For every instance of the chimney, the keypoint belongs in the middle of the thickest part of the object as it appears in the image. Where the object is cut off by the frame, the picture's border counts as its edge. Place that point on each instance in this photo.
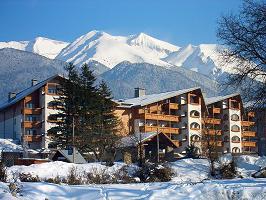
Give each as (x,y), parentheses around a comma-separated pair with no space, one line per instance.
(33,82)
(139,92)
(11,95)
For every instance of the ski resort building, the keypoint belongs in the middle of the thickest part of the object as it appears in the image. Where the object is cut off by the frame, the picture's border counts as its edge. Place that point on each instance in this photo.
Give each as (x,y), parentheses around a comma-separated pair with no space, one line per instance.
(232,125)
(186,117)
(25,115)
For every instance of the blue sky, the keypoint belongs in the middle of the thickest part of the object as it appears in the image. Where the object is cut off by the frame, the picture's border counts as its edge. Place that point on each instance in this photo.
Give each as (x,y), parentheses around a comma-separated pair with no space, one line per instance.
(177,21)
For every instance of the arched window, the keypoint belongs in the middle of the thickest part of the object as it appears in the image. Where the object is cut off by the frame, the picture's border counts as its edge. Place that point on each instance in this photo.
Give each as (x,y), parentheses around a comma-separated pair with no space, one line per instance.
(226,138)
(235,128)
(194,125)
(235,139)
(195,138)
(234,117)
(235,150)
(225,117)
(194,113)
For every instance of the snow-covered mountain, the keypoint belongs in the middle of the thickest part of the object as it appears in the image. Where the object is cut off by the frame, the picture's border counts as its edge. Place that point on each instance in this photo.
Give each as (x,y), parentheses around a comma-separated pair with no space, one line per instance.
(17,68)
(112,50)
(40,45)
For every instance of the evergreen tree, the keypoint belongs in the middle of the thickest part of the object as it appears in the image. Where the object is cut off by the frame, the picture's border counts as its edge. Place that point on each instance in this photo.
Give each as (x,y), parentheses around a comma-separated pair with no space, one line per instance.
(67,105)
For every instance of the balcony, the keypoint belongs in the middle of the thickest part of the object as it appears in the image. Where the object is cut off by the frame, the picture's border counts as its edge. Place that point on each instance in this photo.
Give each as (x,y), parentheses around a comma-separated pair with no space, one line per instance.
(251,114)
(249,144)
(216,110)
(54,121)
(32,138)
(32,111)
(160,129)
(214,132)
(212,121)
(247,123)
(160,117)
(173,106)
(31,124)
(248,134)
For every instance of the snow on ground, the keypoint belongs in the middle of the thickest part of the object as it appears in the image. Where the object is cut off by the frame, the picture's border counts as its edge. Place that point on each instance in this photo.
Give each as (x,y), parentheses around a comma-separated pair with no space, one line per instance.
(191,181)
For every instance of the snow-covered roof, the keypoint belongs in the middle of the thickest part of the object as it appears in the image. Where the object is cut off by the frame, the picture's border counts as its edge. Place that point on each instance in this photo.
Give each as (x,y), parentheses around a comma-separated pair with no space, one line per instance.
(69,156)
(212,100)
(26,92)
(152,98)
(137,138)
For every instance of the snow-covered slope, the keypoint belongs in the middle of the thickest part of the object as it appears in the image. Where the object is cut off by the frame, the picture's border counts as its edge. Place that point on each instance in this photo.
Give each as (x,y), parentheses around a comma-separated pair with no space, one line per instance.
(203,59)
(17,68)
(40,45)
(111,50)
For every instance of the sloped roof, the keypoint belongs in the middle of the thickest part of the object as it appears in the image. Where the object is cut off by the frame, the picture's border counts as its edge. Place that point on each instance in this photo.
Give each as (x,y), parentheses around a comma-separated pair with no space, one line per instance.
(26,92)
(78,157)
(137,138)
(152,98)
(212,100)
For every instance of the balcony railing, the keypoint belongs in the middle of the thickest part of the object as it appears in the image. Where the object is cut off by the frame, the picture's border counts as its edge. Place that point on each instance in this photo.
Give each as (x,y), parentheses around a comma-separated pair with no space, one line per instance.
(249,144)
(160,117)
(212,121)
(215,143)
(251,114)
(31,124)
(247,123)
(32,111)
(32,138)
(173,106)
(216,110)
(214,132)
(160,129)
(248,133)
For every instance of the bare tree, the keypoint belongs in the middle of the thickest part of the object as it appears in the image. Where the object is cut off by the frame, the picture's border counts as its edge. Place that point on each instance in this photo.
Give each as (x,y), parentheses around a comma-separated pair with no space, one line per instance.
(244,38)
(210,144)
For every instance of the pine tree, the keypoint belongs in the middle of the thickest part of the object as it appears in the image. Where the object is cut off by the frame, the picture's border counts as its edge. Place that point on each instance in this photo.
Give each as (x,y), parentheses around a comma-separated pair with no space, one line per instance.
(67,105)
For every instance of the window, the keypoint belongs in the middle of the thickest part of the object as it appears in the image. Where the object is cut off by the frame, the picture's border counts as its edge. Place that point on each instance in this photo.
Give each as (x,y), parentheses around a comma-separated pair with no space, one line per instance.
(194,125)
(235,128)
(174,136)
(29,105)
(234,117)
(235,150)
(226,138)
(226,128)
(194,113)
(31,132)
(31,118)
(225,117)
(195,138)
(235,139)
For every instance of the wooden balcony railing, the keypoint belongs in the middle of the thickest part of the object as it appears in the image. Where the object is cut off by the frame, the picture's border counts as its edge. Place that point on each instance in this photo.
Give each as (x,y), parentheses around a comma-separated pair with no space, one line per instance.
(248,134)
(160,117)
(31,124)
(160,129)
(212,121)
(173,106)
(32,111)
(214,132)
(32,138)
(216,110)
(249,144)
(251,114)
(247,123)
